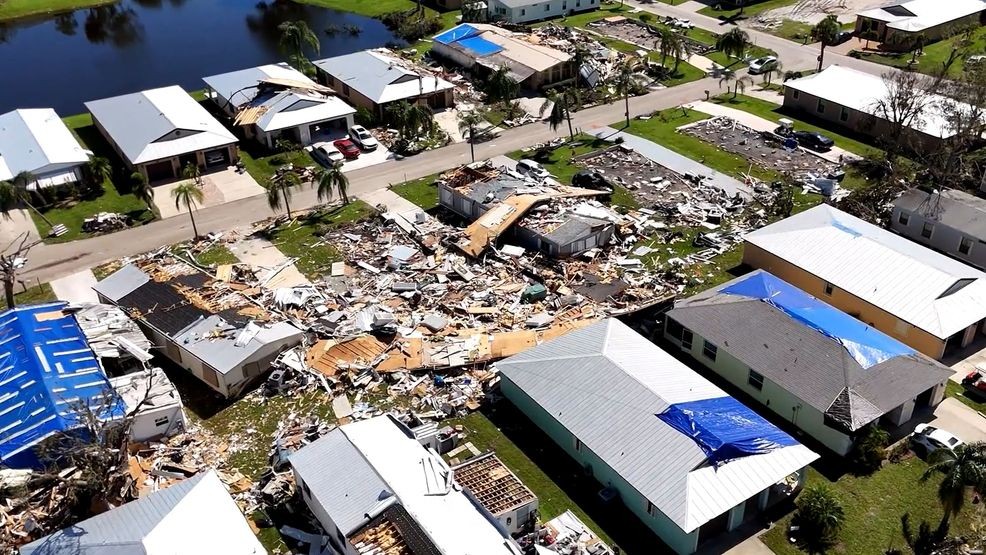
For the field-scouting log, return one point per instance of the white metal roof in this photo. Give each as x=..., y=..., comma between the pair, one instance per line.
x=159, y=123
x=884, y=269
x=918, y=15
x=380, y=76
x=32, y=140
x=239, y=87
x=606, y=384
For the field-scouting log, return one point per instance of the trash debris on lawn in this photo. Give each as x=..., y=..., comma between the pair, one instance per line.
x=105, y=222
x=565, y=534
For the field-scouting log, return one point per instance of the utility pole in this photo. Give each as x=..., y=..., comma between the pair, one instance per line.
x=11, y=260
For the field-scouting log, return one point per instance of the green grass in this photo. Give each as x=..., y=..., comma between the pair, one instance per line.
x=932, y=60
x=262, y=165
x=559, y=161
x=792, y=30
x=749, y=10
x=873, y=506
x=297, y=238
x=15, y=9
x=33, y=295
x=72, y=213
x=773, y=112
x=422, y=192
x=584, y=18
x=735, y=63
x=953, y=389
x=216, y=255
x=368, y=8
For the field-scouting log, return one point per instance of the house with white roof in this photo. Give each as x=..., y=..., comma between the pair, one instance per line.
x=38, y=142
x=828, y=95
x=924, y=299
x=196, y=515
x=373, y=475
x=903, y=24
x=276, y=101
x=687, y=459
x=526, y=11
x=159, y=131
x=372, y=79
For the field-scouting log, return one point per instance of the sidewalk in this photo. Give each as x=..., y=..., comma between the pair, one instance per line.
x=76, y=288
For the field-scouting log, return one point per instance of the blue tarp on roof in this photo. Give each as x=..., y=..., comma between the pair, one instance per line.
x=46, y=370
x=470, y=38
x=867, y=345
x=457, y=33
x=725, y=429
x=480, y=46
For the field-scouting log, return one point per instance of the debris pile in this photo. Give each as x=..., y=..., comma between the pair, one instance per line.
x=105, y=222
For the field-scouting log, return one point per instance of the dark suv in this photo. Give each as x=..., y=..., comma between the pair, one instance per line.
x=814, y=140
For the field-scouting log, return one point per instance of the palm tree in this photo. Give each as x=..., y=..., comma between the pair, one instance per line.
x=739, y=83
x=826, y=32
x=188, y=193
x=962, y=469
x=16, y=192
x=468, y=121
x=332, y=180
x=778, y=71
x=500, y=86
x=191, y=172
x=99, y=171
x=409, y=119
x=733, y=42
x=9, y=198
x=295, y=36
x=141, y=188
x=279, y=190
x=624, y=81
x=560, y=111
x=819, y=514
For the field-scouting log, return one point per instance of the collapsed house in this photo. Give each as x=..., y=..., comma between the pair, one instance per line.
x=498, y=489
x=486, y=48
x=825, y=371
x=553, y=219
x=195, y=515
x=372, y=485
x=120, y=346
x=202, y=325
x=276, y=101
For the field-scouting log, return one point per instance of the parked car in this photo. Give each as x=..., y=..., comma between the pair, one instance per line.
x=359, y=135
x=814, y=140
x=327, y=154
x=532, y=168
x=763, y=65
x=842, y=37
x=347, y=148
x=927, y=439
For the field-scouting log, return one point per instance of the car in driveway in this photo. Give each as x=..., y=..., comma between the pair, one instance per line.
x=763, y=65
x=814, y=140
x=327, y=154
x=359, y=135
x=927, y=439
x=348, y=149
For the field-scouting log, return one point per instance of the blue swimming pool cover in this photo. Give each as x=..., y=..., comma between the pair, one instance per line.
x=469, y=37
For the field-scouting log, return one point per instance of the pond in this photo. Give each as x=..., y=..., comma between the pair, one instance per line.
x=63, y=61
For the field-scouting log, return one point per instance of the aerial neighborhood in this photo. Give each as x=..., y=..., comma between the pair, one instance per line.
x=519, y=277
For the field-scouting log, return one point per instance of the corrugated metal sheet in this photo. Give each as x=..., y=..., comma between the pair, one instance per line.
x=32, y=140
x=380, y=77
x=888, y=271
x=144, y=124
x=121, y=283
x=605, y=383
x=46, y=371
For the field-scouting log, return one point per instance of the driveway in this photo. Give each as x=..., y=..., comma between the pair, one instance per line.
x=14, y=225
x=367, y=159
x=218, y=188
x=960, y=419
x=76, y=288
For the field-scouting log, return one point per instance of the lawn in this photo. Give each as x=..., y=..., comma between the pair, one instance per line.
x=752, y=52
x=932, y=60
x=953, y=389
x=261, y=165
x=422, y=192
x=41, y=293
x=216, y=255
x=747, y=11
x=72, y=213
x=873, y=506
x=14, y=9
x=369, y=8
x=297, y=238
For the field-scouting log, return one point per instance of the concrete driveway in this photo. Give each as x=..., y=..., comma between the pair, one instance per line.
x=219, y=188
x=367, y=159
x=967, y=424
x=76, y=288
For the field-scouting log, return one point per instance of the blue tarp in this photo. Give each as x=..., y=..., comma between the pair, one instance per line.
x=867, y=345
x=468, y=37
x=480, y=46
x=457, y=33
x=725, y=429
x=46, y=370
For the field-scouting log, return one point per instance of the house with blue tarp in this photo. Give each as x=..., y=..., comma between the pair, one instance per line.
x=687, y=459
x=47, y=372
x=484, y=48
x=810, y=363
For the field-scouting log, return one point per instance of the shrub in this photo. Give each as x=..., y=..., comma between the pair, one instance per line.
x=869, y=450
x=366, y=118
x=820, y=515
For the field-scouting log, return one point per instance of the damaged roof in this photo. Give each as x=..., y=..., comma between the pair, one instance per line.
x=496, y=47
x=380, y=76
x=608, y=386
x=956, y=209
x=849, y=371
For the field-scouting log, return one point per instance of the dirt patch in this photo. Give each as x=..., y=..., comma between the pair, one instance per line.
x=813, y=11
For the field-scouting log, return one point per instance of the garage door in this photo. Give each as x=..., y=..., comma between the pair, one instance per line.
x=159, y=171
x=217, y=158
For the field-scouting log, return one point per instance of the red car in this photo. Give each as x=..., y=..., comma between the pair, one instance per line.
x=347, y=148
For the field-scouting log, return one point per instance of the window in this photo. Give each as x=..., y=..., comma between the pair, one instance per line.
x=578, y=445
x=345, y=90
x=651, y=509
x=927, y=229
x=821, y=106
x=795, y=94
x=686, y=339
x=523, y=12
x=755, y=379
x=679, y=332
x=547, y=7
x=844, y=114
x=965, y=245
x=158, y=422
x=709, y=350
x=578, y=3
x=903, y=218
x=330, y=79
x=829, y=288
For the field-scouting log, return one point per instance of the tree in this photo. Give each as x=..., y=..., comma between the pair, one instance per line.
x=500, y=86
x=11, y=258
x=560, y=103
x=904, y=105
x=331, y=180
x=99, y=171
x=279, y=190
x=777, y=71
x=410, y=119
x=468, y=122
x=671, y=45
x=188, y=193
x=869, y=450
x=962, y=469
x=141, y=188
x=192, y=172
x=733, y=42
x=819, y=514
x=826, y=32
x=14, y=192
x=295, y=36
x=926, y=541
x=624, y=81
x=579, y=57
x=739, y=83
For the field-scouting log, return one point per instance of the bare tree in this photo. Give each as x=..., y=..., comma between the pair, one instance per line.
x=12, y=257
x=905, y=105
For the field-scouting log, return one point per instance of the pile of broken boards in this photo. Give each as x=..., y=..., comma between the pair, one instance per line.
x=105, y=222
x=603, y=62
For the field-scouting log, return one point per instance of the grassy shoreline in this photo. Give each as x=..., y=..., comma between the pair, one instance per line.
x=20, y=9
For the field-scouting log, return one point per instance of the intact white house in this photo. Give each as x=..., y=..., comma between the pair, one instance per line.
x=950, y=221
x=276, y=101
x=524, y=11
x=38, y=142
